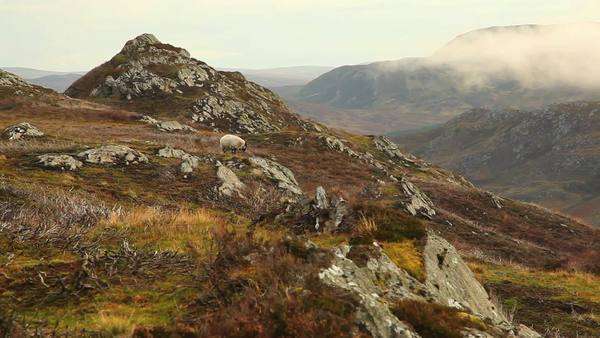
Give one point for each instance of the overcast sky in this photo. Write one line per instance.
(80, 34)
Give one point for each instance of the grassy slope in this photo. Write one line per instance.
(199, 281)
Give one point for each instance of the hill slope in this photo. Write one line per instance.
(155, 78)
(549, 156)
(498, 67)
(110, 225)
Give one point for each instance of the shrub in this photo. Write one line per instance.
(432, 320)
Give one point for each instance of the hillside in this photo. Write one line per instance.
(499, 67)
(114, 223)
(549, 156)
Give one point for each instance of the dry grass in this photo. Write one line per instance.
(114, 325)
(365, 227)
(174, 230)
(406, 255)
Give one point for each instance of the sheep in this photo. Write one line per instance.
(232, 143)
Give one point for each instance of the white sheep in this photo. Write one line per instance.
(232, 143)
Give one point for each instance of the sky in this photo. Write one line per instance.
(76, 35)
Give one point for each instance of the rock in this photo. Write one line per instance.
(338, 210)
(113, 154)
(321, 199)
(336, 144)
(168, 126)
(189, 163)
(415, 201)
(282, 175)
(57, 161)
(369, 284)
(170, 152)
(240, 117)
(453, 284)
(21, 130)
(391, 149)
(231, 184)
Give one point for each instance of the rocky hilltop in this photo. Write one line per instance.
(514, 67)
(117, 223)
(549, 156)
(151, 77)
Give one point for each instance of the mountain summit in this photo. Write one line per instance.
(153, 77)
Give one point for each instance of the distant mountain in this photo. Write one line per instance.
(283, 76)
(500, 67)
(58, 83)
(549, 156)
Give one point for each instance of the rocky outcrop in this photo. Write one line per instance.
(167, 126)
(283, 176)
(148, 70)
(318, 214)
(374, 313)
(20, 131)
(15, 85)
(231, 184)
(338, 145)
(415, 201)
(241, 117)
(189, 163)
(453, 284)
(391, 149)
(113, 154)
(59, 161)
(378, 282)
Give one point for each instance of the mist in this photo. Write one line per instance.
(535, 56)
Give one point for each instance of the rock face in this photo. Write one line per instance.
(415, 201)
(149, 70)
(282, 175)
(167, 126)
(21, 130)
(231, 184)
(374, 314)
(378, 282)
(59, 161)
(453, 284)
(113, 154)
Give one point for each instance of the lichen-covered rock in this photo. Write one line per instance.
(14, 85)
(365, 283)
(113, 154)
(189, 163)
(415, 201)
(21, 130)
(239, 116)
(392, 151)
(379, 282)
(168, 126)
(59, 161)
(231, 184)
(336, 144)
(282, 175)
(453, 284)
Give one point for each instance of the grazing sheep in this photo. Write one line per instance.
(232, 143)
